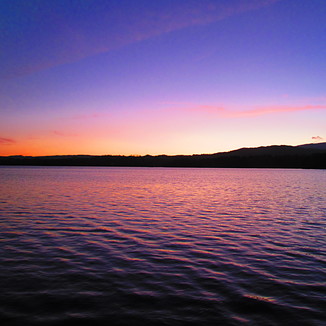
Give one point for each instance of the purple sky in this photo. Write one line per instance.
(163, 76)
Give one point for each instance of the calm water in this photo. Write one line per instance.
(162, 246)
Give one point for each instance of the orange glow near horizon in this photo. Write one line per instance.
(168, 132)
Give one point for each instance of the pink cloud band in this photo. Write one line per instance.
(7, 141)
(228, 113)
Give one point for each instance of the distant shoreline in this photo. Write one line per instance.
(308, 156)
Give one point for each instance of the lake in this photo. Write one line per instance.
(162, 246)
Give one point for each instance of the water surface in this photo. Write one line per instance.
(162, 246)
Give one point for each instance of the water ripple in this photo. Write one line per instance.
(162, 246)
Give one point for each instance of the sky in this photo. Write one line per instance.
(136, 77)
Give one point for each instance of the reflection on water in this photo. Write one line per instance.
(162, 246)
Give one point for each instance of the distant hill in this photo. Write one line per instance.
(318, 146)
(312, 156)
(279, 150)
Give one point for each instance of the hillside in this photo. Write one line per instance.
(276, 156)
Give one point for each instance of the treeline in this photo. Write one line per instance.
(261, 157)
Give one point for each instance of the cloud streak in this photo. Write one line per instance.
(228, 113)
(100, 28)
(7, 141)
(88, 116)
(63, 133)
(275, 110)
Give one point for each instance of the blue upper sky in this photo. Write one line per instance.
(181, 76)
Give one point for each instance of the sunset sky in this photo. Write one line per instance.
(160, 76)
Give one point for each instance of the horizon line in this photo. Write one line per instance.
(154, 155)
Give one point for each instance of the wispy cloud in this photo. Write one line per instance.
(88, 116)
(275, 110)
(73, 39)
(7, 141)
(63, 133)
(317, 138)
(229, 113)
